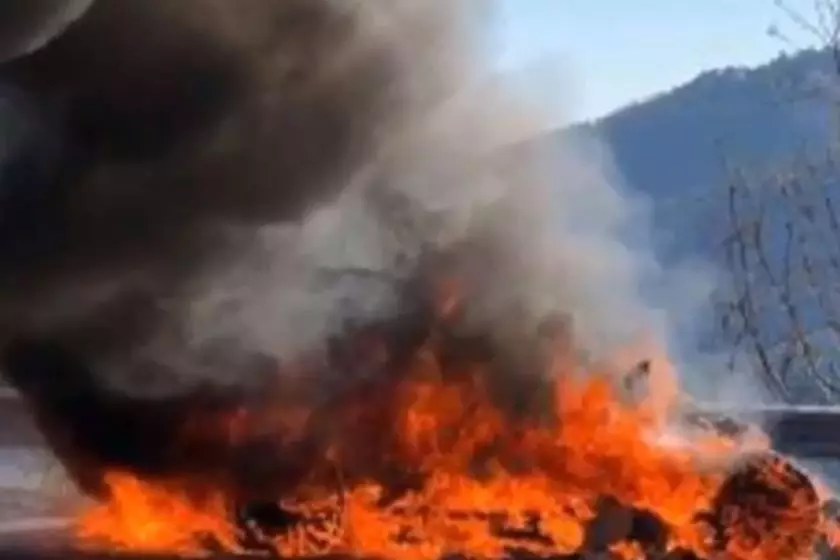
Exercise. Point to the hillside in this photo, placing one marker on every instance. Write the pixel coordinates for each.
(673, 147)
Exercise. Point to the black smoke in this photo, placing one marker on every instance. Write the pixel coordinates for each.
(152, 130)
(162, 144)
(145, 136)
(28, 26)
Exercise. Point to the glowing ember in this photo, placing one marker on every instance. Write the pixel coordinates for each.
(429, 465)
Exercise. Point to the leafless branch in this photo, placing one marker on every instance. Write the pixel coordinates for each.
(780, 306)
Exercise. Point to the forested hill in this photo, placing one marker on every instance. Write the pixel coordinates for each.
(771, 126)
(674, 146)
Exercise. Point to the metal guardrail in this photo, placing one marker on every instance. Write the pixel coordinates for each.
(801, 431)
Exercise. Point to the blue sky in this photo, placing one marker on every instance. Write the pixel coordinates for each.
(618, 51)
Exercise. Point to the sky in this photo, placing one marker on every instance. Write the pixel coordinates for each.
(608, 53)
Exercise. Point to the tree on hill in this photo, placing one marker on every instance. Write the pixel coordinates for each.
(779, 307)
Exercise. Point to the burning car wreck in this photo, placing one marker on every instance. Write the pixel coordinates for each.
(156, 139)
(425, 463)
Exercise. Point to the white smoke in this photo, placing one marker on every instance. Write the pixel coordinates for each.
(567, 235)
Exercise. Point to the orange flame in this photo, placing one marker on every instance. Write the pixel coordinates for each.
(471, 463)
(150, 518)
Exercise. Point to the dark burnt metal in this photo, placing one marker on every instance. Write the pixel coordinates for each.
(767, 504)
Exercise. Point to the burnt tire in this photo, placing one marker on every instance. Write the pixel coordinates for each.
(766, 508)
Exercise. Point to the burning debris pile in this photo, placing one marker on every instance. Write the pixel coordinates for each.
(429, 458)
(464, 416)
(426, 462)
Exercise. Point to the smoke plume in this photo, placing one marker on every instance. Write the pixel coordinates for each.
(199, 193)
(193, 180)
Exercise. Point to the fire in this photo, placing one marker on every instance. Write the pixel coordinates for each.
(152, 518)
(436, 457)
(430, 465)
